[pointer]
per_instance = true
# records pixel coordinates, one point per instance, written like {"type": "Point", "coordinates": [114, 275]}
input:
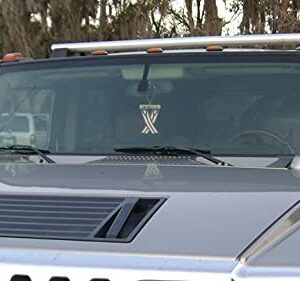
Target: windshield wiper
{"type": "Point", "coordinates": [27, 149]}
{"type": "Point", "coordinates": [172, 150]}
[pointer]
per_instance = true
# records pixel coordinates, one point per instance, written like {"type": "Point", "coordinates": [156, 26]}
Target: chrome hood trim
{"type": "Point", "coordinates": [274, 234]}
{"type": "Point", "coordinates": [275, 253]}
{"type": "Point", "coordinates": [78, 266]}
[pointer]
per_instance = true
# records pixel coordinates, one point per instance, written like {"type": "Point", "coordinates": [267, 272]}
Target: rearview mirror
{"type": "Point", "coordinates": [155, 87]}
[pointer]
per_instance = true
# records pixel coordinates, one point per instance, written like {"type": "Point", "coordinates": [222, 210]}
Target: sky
{"type": "Point", "coordinates": [231, 28]}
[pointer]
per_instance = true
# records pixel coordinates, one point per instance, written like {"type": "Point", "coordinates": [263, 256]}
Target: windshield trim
{"type": "Point", "coordinates": [258, 57]}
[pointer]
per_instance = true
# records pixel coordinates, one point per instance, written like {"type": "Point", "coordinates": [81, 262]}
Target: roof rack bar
{"type": "Point", "coordinates": [185, 42]}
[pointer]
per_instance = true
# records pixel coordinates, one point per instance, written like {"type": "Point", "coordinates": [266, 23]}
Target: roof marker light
{"type": "Point", "coordinates": [154, 50]}
{"type": "Point", "coordinates": [99, 53]}
{"type": "Point", "coordinates": [12, 57]}
{"type": "Point", "coordinates": [214, 48]}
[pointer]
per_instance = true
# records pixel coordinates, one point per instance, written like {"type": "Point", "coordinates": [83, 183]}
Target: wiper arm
{"type": "Point", "coordinates": [172, 150]}
{"type": "Point", "coordinates": [21, 149]}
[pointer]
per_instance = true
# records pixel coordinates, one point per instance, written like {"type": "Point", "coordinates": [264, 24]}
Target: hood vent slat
{"type": "Point", "coordinates": [112, 219]}
{"type": "Point", "coordinates": [122, 216]}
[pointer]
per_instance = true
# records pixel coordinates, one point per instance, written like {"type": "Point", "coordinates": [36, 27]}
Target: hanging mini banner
{"type": "Point", "coordinates": [150, 113]}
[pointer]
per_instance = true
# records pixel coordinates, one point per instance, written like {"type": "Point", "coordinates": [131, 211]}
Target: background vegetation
{"type": "Point", "coordinates": [31, 26]}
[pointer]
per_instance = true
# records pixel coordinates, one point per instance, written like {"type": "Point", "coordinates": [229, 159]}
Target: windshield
{"type": "Point", "coordinates": [243, 107]}
{"type": "Point", "coordinates": [14, 123]}
{"type": "Point", "coordinates": [40, 122]}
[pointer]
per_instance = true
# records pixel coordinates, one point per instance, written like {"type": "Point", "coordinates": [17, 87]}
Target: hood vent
{"type": "Point", "coordinates": [111, 219]}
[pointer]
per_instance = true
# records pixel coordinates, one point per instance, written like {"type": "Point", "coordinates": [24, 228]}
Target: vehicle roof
{"type": "Point", "coordinates": [174, 46]}
{"type": "Point", "coordinates": [165, 53]}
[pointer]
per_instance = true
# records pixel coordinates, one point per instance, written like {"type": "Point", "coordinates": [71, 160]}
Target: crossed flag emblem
{"type": "Point", "coordinates": [150, 113]}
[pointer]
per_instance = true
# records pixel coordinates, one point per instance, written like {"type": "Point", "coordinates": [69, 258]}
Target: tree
{"type": "Point", "coordinates": [276, 16]}
{"type": "Point", "coordinates": [30, 26]}
{"type": "Point", "coordinates": [198, 17]}
{"type": "Point", "coordinates": [73, 20]}
{"type": "Point", "coordinates": [24, 26]}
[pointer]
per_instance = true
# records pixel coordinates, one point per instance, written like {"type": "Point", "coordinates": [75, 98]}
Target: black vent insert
{"type": "Point", "coordinates": [20, 278]}
{"type": "Point", "coordinates": [75, 218]}
{"type": "Point", "coordinates": [59, 279]}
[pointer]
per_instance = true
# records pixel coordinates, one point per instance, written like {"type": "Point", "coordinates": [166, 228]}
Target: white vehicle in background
{"type": "Point", "coordinates": [24, 129]}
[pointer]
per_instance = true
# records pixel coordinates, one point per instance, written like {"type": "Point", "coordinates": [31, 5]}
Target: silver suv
{"type": "Point", "coordinates": [164, 159]}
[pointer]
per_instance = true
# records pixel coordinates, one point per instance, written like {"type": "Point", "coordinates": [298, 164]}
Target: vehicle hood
{"type": "Point", "coordinates": [211, 212]}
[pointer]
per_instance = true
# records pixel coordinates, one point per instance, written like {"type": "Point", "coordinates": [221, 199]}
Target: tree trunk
{"type": "Point", "coordinates": [212, 24]}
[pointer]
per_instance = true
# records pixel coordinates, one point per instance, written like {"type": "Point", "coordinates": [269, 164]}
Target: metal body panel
{"type": "Point", "coordinates": [227, 208]}
{"type": "Point", "coordinates": [284, 253]}
{"type": "Point", "coordinates": [210, 230]}
{"type": "Point", "coordinates": [134, 177]}
{"type": "Point", "coordinates": [253, 199]}
{"type": "Point", "coordinates": [261, 273]}
{"type": "Point", "coordinates": [41, 266]}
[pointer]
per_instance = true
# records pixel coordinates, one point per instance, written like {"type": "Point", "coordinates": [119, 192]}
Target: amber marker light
{"type": "Point", "coordinates": [12, 57]}
{"type": "Point", "coordinates": [99, 53]}
{"type": "Point", "coordinates": [214, 48]}
{"type": "Point", "coordinates": [154, 50]}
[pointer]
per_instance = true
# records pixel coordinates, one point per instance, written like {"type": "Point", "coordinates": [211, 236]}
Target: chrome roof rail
{"type": "Point", "coordinates": [177, 43]}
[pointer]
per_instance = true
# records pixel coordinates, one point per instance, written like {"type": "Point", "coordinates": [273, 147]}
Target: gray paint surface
{"type": "Point", "coordinates": [136, 177]}
{"type": "Point", "coordinates": [285, 253]}
{"type": "Point", "coordinates": [210, 211]}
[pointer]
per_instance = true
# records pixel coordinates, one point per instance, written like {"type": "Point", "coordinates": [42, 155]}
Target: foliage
{"type": "Point", "coordinates": [31, 26]}
{"type": "Point", "coordinates": [276, 16]}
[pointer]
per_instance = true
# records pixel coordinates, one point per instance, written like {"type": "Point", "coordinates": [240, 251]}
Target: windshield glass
{"type": "Point", "coordinates": [14, 123]}
{"type": "Point", "coordinates": [228, 108]}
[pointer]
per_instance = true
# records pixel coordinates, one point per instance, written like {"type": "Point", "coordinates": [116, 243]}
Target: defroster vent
{"type": "Point", "coordinates": [114, 219]}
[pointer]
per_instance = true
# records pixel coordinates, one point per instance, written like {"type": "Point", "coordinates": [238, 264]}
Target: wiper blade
{"type": "Point", "coordinates": [25, 149]}
{"type": "Point", "coordinates": [172, 150]}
